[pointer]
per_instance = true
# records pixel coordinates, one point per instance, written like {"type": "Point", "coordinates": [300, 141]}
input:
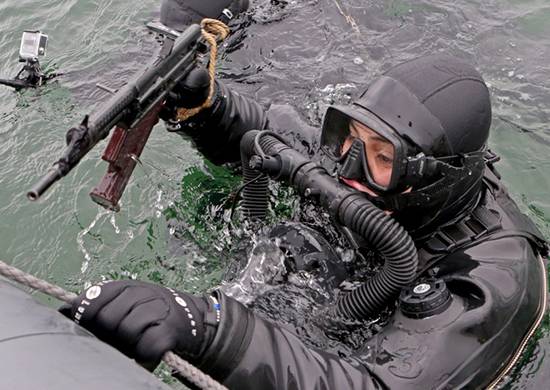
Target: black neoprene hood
{"type": "Point", "coordinates": [440, 103]}
{"type": "Point", "coordinates": [439, 106]}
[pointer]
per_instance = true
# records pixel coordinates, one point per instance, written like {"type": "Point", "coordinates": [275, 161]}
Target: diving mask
{"type": "Point", "coordinates": [369, 151]}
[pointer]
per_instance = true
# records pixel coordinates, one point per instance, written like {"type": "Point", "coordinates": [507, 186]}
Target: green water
{"type": "Point", "coordinates": [305, 53]}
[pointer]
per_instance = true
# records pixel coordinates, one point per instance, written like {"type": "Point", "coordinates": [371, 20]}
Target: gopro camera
{"type": "Point", "coordinates": [33, 45]}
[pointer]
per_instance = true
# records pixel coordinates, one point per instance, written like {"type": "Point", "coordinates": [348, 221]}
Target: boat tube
{"type": "Point", "coordinates": [41, 349]}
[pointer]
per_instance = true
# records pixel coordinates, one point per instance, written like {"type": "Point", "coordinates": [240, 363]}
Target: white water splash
{"type": "Point", "coordinates": [159, 207]}
{"type": "Point", "coordinates": [330, 94]}
{"type": "Point", "coordinates": [80, 238]}
{"type": "Point", "coordinates": [265, 264]}
{"type": "Point", "coordinates": [113, 222]}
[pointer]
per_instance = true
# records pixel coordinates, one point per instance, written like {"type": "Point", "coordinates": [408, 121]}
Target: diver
{"type": "Point", "coordinates": [415, 144]}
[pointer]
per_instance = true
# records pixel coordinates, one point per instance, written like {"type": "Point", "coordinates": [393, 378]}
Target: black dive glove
{"type": "Point", "coordinates": [191, 92]}
{"type": "Point", "coordinates": [144, 320]}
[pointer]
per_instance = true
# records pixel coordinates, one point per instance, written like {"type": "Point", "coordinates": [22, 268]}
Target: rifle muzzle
{"type": "Point", "coordinates": [46, 182]}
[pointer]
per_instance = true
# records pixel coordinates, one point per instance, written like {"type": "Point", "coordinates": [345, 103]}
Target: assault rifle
{"type": "Point", "coordinates": [133, 110]}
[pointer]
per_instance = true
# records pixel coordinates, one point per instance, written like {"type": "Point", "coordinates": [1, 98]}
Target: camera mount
{"type": "Point", "coordinates": [33, 45]}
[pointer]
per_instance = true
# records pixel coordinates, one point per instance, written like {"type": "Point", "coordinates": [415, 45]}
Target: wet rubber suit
{"type": "Point", "coordinates": [486, 251]}
{"type": "Point", "coordinates": [480, 287]}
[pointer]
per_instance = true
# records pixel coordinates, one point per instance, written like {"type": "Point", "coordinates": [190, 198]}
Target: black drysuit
{"type": "Point", "coordinates": [489, 258]}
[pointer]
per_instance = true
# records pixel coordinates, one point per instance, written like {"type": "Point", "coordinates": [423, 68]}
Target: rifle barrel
{"type": "Point", "coordinates": [46, 182]}
{"type": "Point", "coordinates": [141, 94]}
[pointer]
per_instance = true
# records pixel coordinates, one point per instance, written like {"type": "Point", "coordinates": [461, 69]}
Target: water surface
{"type": "Point", "coordinates": [304, 53]}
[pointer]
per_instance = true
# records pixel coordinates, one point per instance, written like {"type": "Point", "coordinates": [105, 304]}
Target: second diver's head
{"type": "Point", "coordinates": [179, 14]}
{"type": "Point", "coordinates": [414, 141]}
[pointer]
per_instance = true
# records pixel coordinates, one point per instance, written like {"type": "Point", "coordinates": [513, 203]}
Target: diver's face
{"type": "Point", "coordinates": [379, 152]}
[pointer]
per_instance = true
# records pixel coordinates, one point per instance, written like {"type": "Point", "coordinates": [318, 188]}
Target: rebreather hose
{"type": "Point", "coordinates": [185, 369]}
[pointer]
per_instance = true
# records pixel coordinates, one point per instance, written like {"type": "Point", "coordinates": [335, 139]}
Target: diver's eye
{"type": "Point", "coordinates": [385, 160]}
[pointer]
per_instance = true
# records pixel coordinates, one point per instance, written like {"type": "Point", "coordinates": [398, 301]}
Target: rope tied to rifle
{"type": "Point", "coordinates": [212, 31]}
{"type": "Point", "coordinates": [185, 369]}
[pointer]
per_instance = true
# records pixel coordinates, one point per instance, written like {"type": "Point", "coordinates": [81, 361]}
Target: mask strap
{"type": "Point", "coordinates": [421, 167]}
{"type": "Point", "coordinates": [426, 195]}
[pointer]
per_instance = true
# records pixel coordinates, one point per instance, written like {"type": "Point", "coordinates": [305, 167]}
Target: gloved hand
{"type": "Point", "coordinates": [143, 320]}
{"type": "Point", "coordinates": [191, 92]}
{"type": "Point", "coordinates": [178, 15]}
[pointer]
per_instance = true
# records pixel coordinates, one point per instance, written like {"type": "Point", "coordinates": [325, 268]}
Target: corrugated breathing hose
{"type": "Point", "coordinates": [265, 152]}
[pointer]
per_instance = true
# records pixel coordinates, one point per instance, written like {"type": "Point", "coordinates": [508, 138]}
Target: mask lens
{"type": "Point", "coordinates": [367, 156]}
{"type": "Point", "coordinates": [368, 150]}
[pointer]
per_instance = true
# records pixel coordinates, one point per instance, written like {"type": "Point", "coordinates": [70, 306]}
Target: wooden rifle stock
{"type": "Point", "coordinates": [122, 154]}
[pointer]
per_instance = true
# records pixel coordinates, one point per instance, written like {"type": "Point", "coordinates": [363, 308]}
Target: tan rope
{"type": "Point", "coordinates": [212, 31]}
{"type": "Point", "coordinates": [185, 369]}
{"type": "Point", "coordinates": [348, 17]}
{"type": "Point", "coordinates": [33, 282]}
